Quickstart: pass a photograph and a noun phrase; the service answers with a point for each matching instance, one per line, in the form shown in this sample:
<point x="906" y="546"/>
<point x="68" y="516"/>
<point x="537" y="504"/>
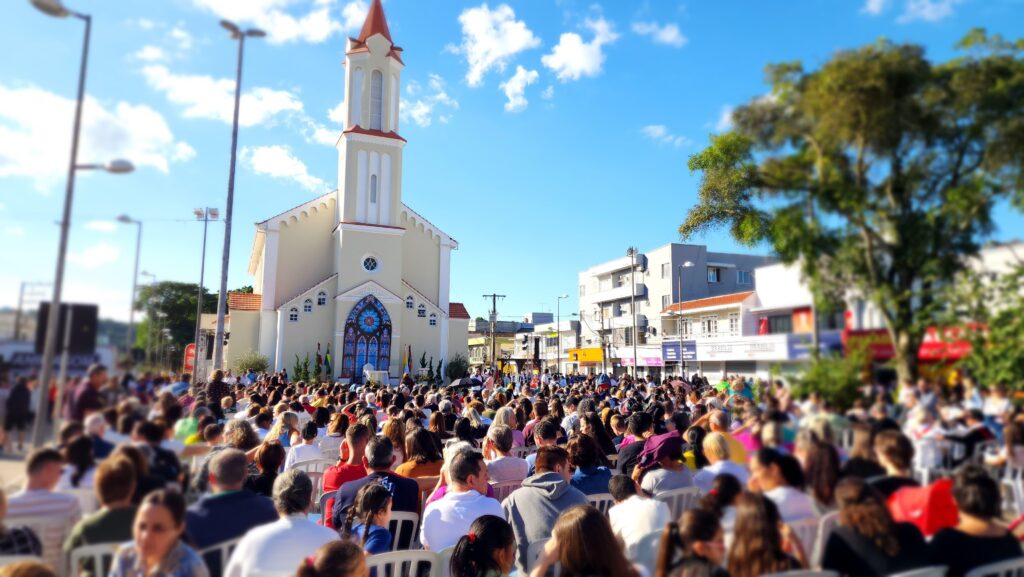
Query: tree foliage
<point x="988" y="312"/>
<point x="171" y="306"/>
<point x="877" y="172"/>
<point x="835" y="378"/>
<point x="457" y="368"/>
<point x="251" y="360"/>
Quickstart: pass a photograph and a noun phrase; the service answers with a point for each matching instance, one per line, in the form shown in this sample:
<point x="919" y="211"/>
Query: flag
<point x="408" y="359"/>
<point x="319" y="361"/>
<point x="327" y="364"/>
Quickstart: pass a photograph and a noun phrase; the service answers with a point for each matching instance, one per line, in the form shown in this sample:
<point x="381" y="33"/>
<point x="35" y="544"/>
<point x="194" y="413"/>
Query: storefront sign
<point x="949" y="346"/>
<point x="588" y="355"/>
<point x="800" y="346"/>
<point x="644" y="362"/>
<point x="759" y="348"/>
<point x="671" y="352"/>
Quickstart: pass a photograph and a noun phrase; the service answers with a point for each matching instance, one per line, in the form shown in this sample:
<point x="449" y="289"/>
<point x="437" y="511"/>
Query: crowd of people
<point x="538" y="476"/>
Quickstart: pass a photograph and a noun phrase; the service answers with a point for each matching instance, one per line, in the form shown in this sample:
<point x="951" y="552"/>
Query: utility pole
<point x="632" y="252"/>
<point x="493" y="321"/>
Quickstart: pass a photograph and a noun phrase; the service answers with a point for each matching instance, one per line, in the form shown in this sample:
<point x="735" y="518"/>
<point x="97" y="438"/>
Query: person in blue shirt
<point x="589" y="478"/>
<point x="367" y="520"/>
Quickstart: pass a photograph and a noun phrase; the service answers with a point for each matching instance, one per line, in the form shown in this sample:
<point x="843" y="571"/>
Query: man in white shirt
<point x="716" y="449"/>
<point x="448" y="519"/>
<point x="279" y="547"/>
<point x="767" y="478"/>
<point x="307" y="450"/>
<point x="501" y="466"/>
<point x="633" y="515"/>
<point x="38" y="499"/>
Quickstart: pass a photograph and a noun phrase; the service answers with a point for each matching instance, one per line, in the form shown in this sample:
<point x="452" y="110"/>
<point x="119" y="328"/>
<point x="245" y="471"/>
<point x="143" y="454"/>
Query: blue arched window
<point x="367" y="338"/>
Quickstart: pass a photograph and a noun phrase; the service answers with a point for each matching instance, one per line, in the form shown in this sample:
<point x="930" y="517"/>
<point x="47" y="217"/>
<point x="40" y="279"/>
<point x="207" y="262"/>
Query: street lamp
<point x="558" y="331"/>
<point x="125" y="219"/>
<point x="600" y="311"/>
<point x="632" y="252"/>
<point x="222" y="299"/>
<point x="205" y="215"/>
<point x="679" y="313"/>
<point x="152" y="297"/>
<point x="57" y="9"/>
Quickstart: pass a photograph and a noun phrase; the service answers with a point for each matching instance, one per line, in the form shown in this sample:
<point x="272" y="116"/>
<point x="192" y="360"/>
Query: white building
<point x="355" y="269"/>
<point x="668" y="274"/>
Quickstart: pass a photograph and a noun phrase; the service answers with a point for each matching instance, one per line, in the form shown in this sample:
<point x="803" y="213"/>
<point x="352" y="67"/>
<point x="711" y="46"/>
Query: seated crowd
<point x="533" y="477"/>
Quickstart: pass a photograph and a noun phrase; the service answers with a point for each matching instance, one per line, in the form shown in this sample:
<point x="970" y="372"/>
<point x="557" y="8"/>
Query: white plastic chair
<point x="679" y="500"/>
<point x="6" y="560"/>
<point x="806" y="530"/>
<point x="101" y="558"/>
<point x="87" y="500"/>
<point x="505" y="488"/>
<point x="405" y="564"/>
<point x="52" y="532"/>
<point x="601" y="501"/>
<point x="1011" y="568"/>
<point x="936" y="571"/>
<point x="826" y="525"/>
<point x="803" y="573"/>
<point x="522" y="452"/>
<point x="1012" y="478"/>
<point x="315" y="465"/>
<point x="444" y="557"/>
<point x="223" y="549"/>
<point x="318" y="485"/>
<point x="403" y="523"/>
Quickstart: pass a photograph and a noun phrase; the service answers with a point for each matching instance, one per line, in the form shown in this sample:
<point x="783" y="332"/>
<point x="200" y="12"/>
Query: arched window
<point x="433" y="320"/>
<point x="293" y="315"/>
<point x="367" y="338"/>
<point x="307" y="306"/>
<point x="376" y="99"/>
<point x="321" y="298"/>
<point x="421" y="311"/>
<point x="373" y="189"/>
<point x="409" y="302"/>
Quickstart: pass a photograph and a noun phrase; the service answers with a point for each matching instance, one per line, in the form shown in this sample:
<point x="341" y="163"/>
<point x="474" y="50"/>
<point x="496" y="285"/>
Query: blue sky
<point x="545" y="136"/>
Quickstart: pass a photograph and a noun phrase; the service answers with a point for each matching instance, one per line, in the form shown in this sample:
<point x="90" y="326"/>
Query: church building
<point x="355" y="269"/>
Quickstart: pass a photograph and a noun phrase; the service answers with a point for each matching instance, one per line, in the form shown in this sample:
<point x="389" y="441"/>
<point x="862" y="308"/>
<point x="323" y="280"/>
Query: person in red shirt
<point x="356" y="438"/>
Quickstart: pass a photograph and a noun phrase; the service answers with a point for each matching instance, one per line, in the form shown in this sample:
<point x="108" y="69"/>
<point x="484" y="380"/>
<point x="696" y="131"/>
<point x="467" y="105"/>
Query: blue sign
<point x="800" y="345"/>
<point x="689" y="351"/>
<point x="674" y="351"/>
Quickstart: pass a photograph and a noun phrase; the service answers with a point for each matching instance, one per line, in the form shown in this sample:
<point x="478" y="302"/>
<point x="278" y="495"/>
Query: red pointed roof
<point x="244" y="301"/>
<point x="457" y="311"/>
<point x="375" y="23"/>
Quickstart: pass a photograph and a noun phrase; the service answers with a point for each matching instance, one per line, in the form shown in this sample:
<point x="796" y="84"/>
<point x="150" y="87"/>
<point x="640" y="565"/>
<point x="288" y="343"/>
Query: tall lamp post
<point x="222" y="298"/>
<point x="56" y="9"/>
<point x="125" y="219"/>
<point x="205" y="215"/>
<point x="679" y="313"/>
<point x="149" y="316"/>
<point x="632" y="252"/>
<point x="600" y="312"/>
<point x="558" y="331"/>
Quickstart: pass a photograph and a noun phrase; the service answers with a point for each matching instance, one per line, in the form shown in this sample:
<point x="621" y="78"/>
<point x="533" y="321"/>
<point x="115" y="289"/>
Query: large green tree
<point x="171" y="306"/>
<point x="878" y="172"/>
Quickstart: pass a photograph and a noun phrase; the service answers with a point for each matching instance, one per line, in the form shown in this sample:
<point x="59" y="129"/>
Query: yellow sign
<point x="591" y="355"/>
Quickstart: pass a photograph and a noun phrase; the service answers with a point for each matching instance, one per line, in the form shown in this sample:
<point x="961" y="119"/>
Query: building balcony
<point x="618" y="293"/>
<point x="626" y="321"/>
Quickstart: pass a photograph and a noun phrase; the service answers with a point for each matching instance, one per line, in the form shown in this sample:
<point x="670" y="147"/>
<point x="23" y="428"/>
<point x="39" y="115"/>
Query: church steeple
<point x="375" y="23"/>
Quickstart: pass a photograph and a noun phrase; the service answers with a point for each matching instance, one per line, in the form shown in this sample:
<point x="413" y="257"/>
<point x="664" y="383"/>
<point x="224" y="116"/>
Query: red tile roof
<point x="244" y="301"/>
<point x="375" y="23"/>
<point x="718" y="301"/>
<point x="457" y="311"/>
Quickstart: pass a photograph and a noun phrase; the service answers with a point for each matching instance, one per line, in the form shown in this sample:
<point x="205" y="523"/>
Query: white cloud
<point x="105" y="226"/>
<point x="182" y="38"/>
<point x="874" y="7"/>
<point x="150" y="53"/>
<point x="15" y="231"/>
<point x="145" y="23"/>
<point x="661" y="134"/>
<point x="35" y="135"/>
<point x="434" y="99"/>
<point x="724" y="122"/>
<point x="283" y="25"/>
<point x="279" y="162"/>
<point x="95" y="256"/>
<point x="573" y="58"/>
<point x="928" y="10"/>
<point x="515" y="88"/>
<point x="337" y="114"/>
<point x="668" y="34"/>
<point x="183" y="152"/>
<point x="490" y="39"/>
<point x="214" y="98"/>
<point x="548" y="93"/>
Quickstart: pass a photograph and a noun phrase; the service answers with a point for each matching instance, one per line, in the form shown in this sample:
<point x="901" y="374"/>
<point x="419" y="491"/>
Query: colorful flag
<point x="408" y="359"/>
<point x="319" y="361"/>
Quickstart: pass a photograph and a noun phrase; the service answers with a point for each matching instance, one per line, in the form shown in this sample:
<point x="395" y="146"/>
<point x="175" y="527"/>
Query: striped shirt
<point x="52" y="516"/>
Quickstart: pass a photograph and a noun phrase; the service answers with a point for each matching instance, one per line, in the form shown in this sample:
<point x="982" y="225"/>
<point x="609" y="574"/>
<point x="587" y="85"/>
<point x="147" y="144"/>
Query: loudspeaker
<point x="83" y="328"/>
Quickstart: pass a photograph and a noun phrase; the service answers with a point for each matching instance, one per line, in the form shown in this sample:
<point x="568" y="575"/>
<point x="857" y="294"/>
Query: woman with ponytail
<point x="488" y="550"/>
<point x="721" y="500"/>
<point x="692" y="547"/>
<point x="372" y="508"/>
<point x="334" y="559"/>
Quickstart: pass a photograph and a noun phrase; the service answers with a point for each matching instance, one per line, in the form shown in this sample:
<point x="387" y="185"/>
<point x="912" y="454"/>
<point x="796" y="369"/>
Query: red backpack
<point x="928" y="508"/>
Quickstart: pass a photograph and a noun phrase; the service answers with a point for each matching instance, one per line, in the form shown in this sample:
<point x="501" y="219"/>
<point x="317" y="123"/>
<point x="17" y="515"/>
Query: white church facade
<point x="356" y="268"/>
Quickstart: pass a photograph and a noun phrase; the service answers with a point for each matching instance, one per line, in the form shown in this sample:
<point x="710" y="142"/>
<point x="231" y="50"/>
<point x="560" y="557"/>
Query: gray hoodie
<point x="533" y="509"/>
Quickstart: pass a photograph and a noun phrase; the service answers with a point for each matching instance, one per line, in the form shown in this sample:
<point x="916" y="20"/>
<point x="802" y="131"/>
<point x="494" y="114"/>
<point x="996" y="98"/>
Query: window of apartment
<point x="307" y="306"/>
<point x="321" y="298"/>
<point x="744" y="277"/>
<point x="433" y="320"/>
<point x="293" y="315"/>
<point x="665" y="301"/>
<point x="628" y="336"/>
<point x="780" y="324"/>
<point x="734" y="324"/>
<point x="709" y="326"/>
<point x="714" y="274"/>
<point x="421" y="311"/>
<point x="665" y="269"/>
<point x="686" y="328"/>
<point x="409" y="302"/>
<point x="583" y="290"/>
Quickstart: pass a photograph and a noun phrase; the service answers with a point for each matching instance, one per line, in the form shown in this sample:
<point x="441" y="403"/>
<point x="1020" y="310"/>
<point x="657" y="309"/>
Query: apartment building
<point x="652" y="281"/>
